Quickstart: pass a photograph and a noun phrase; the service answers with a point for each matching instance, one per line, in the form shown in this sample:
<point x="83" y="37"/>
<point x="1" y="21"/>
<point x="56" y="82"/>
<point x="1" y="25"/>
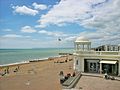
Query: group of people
<point x="6" y="71"/>
<point x="106" y="76"/>
<point x="63" y="77"/>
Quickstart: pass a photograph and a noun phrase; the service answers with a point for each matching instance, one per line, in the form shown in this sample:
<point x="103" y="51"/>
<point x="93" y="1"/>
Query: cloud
<point x="7" y="30"/>
<point x="24" y="42"/>
<point x="66" y="11"/>
<point x="89" y="13"/>
<point x="70" y="38"/>
<point x="28" y="29"/>
<point x="40" y="26"/>
<point x="102" y="37"/>
<point x="23" y="10"/>
<point x="56" y="34"/>
<point x="12" y="36"/>
<point x="39" y="6"/>
<point x="102" y="16"/>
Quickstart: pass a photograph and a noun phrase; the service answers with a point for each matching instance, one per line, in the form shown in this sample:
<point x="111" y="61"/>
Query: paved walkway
<point x="96" y="83"/>
<point x="99" y="75"/>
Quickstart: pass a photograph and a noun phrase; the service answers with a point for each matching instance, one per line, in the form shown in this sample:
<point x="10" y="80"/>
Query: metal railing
<point x="98" y="52"/>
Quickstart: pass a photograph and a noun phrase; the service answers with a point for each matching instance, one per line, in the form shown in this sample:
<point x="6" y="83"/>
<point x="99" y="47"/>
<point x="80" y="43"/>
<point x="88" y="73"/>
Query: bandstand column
<point x="83" y="47"/>
<point x="87" y="46"/>
<point x="77" y="47"/>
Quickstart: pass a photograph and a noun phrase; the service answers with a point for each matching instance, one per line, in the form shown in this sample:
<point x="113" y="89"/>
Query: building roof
<point x="82" y="39"/>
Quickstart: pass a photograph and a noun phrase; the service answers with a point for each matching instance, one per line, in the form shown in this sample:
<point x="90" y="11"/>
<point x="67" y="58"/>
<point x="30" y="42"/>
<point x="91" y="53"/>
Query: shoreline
<point x="28" y="61"/>
<point x="33" y="60"/>
<point x="14" y="64"/>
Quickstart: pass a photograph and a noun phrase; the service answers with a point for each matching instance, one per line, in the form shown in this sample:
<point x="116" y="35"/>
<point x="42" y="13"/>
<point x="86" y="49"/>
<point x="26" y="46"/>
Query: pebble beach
<point x="40" y="75"/>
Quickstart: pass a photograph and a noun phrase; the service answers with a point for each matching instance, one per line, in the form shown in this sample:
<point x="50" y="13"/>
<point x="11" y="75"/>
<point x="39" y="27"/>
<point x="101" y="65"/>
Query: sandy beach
<point x="41" y="75"/>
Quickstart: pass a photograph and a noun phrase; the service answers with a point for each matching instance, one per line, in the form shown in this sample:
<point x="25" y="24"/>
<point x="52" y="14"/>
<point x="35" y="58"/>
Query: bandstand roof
<point x="82" y="39"/>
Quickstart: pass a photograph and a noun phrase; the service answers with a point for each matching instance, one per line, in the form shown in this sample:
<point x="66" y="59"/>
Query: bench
<point x="68" y="81"/>
<point x="71" y="81"/>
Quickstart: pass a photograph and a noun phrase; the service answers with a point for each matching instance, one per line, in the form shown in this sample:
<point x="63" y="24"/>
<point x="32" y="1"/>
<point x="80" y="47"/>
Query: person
<point x="7" y="70"/>
<point x="68" y="75"/>
<point x="62" y="78"/>
<point x="73" y="74"/>
<point x="106" y="76"/>
<point x="16" y="69"/>
<point x="28" y="83"/>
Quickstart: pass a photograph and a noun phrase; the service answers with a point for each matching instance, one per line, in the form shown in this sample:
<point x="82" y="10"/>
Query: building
<point x="101" y="61"/>
<point x="108" y="48"/>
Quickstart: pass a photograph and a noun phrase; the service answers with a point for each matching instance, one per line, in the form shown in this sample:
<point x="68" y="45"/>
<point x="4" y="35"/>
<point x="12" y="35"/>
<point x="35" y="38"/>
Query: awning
<point x="108" y="62"/>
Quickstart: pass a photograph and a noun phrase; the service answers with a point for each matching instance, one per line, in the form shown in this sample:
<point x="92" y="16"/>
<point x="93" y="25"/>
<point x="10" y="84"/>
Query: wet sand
<point x="41" y="75"/>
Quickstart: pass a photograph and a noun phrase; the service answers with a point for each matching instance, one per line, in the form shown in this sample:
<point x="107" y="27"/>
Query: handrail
<point x="99" y="52"/>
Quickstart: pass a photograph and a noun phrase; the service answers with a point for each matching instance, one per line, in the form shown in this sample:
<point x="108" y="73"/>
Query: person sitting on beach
<point x="66" y="60"/>
<point x="73" y="74"/>
<point x="2" y="74"/>
<point x="67" y="76"/>
<point x="16" y="69"/>
<point x="62" y="77"/>
<point x="5" y="72"/>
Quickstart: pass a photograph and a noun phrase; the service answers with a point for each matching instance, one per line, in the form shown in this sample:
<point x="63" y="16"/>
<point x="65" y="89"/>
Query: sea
<point x="11" y="56"/>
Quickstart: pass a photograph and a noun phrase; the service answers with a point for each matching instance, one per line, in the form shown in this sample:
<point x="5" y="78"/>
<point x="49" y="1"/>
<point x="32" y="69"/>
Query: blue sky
<point x="39" y="23"/>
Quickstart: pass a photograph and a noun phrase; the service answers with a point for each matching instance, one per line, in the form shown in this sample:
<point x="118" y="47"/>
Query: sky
<point x="40" y="23"/>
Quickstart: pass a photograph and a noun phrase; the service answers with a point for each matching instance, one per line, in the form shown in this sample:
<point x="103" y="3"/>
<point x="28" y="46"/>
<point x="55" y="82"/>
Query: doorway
<point x="111" y="69"/>
<point x="92" y="66"/>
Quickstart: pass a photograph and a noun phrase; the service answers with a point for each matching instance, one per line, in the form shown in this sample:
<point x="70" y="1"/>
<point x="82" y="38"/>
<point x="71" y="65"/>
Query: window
<point x="76" y="62"/>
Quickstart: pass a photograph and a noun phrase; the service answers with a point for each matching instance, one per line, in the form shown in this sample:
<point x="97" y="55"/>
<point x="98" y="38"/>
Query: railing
<point x="98" y="52"/>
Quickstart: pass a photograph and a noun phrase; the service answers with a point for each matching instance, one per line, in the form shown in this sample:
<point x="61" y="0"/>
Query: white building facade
<point x="87" y="60"/>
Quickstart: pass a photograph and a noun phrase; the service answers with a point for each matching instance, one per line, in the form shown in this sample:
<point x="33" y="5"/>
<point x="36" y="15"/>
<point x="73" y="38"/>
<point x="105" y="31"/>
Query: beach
<point x="37" y="75"/>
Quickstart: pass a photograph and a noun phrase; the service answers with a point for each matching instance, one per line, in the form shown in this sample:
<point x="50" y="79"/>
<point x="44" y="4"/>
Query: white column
<point x="77" y="47"/>
<point x="83" y="47"/>
<point x="119" y="67"/>
<point x="100" y="68"/>
<point x="105" y="47"/>
<point x="116" y="68"/>
<point x="90" y="47"/>
<point x="87" y="46"/>
<point x="83" y="65"/>
<point x="80" y="66"/>
<point x="74" y="64"/>
<point x="80" y="47"/>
